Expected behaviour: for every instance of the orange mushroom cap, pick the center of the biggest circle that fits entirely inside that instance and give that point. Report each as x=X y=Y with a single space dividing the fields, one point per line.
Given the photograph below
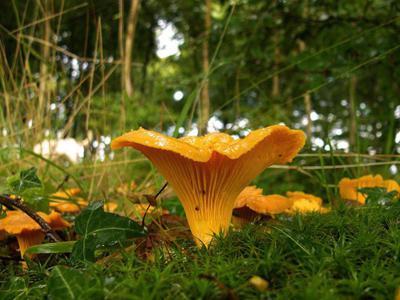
x=391 y=185
x=305 y=203
x=68 y=193
x=304 y=206
x=249 y=192
x=140 y=209
x=64 y=206
x=27 y=231
x=348 y=188
x=270 y=204
x=208 y=173
x=295 y=202
x=301 y=195
x=110 y=207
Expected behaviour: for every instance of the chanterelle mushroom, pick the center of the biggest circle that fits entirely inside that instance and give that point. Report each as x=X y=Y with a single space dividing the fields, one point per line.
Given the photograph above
x=348 y=188
x=208 y=173
x=26 y=230
x=66 y=206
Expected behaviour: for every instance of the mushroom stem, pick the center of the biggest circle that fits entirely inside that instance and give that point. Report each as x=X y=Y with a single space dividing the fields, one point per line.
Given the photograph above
x=27 y=239
x=9 y=202
x=208 y=219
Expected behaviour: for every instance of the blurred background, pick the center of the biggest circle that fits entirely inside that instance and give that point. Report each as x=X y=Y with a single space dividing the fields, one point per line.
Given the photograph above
x=75 y=74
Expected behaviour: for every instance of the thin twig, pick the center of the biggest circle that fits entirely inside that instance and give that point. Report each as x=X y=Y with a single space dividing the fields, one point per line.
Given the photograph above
x=17 y=203
x=155 y=198
x=66 y=178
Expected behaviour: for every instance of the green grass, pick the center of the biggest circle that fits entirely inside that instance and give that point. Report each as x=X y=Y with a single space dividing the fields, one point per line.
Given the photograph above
x=350 y=253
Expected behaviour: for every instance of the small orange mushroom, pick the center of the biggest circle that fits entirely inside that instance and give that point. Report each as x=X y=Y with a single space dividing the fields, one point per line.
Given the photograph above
x=64 y=206
x=252 y=198
x=305 y=203
x=208 y=173
x=349 y=188
x=301 y=196
x=26 y=230
x=251 y=203
x=140 y=209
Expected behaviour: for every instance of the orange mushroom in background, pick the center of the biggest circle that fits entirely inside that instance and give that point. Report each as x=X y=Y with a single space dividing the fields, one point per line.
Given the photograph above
x=65 y=206
x=26 y=230
x=305 y=203
x=69 y=207
x=209 y=172
x=140 y=209
x=251 y=203
x=349 y=188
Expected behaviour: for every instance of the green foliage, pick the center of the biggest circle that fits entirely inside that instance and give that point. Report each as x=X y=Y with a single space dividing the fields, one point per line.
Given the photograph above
x=98 y=229
x=174 y=207
x=350 y=253
x=379 y=196
x=26 y=179
x=18 y=288
x=51 y=248
x=29 y=187
x=71 y=284
x=316 y=46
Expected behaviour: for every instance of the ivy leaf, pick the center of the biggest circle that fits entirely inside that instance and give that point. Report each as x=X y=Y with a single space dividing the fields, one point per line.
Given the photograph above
x=36 y=199
x=26 y=179
x=100 y=229
x=29 y=187
x=84 y=249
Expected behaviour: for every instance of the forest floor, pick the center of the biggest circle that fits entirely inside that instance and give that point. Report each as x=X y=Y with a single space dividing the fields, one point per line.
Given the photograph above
x=348 y=253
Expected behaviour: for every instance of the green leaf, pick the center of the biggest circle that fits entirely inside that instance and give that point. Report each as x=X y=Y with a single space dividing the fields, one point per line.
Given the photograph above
x=50 y=248
x=27 y=179
x=84 y=249
x=36 y=199
x=99 y=229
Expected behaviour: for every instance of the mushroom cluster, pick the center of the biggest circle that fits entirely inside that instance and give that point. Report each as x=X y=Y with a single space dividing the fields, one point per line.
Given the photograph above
x=68 y=202
x=66 y=206
x=349 y=188
x=251 y=203
x=208 y=172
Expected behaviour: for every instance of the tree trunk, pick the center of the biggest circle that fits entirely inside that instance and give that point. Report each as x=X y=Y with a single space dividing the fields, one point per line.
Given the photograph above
x=307 y=96
x=307 y=99
x=121 y=53
x=277 y=57
x=353 y=112
x=204 y=94
x=43 y=94
x=308 y=108
x=129 y=42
